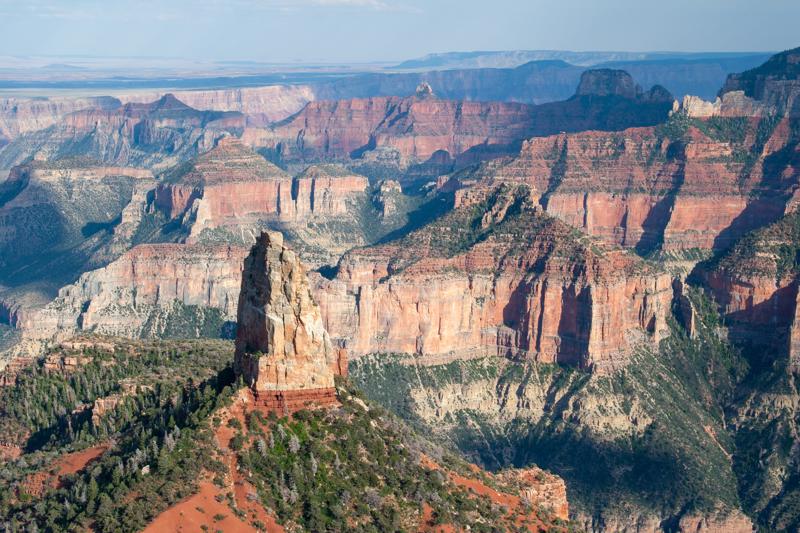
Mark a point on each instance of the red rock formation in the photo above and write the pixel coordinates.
(283, 352)
(756, 285)
(232, 185)
(639, 189)
(550, 299)
(422, 126)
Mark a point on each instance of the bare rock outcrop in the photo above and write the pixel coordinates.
(233, 188)
(422, 128)
(498, 277)
(261, 105)
(283, 352)
(155, 135)
(149, 290)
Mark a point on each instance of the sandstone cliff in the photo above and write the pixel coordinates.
(281, 343)
(423, 127)
(497, 276)
(689, 184)
(233, 186)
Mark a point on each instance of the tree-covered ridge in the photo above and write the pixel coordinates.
(359, 468)
(327, 470)
(772, 251)
(159, 435)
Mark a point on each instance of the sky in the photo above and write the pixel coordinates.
(333, 31)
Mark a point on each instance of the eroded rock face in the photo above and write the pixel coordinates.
(146, 292)
(233, 187)
(776, 82)
(756, 284)
(642, 190)
(154, 135)
(722, 522)
(520, 286)
(23, 115)
(281, 343)
(423, 127)
(608, 82)
(261, 105)
(536, 485)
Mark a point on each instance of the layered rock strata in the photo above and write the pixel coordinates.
(144, 291)
(261, 105)
(423, 127)
(756, 286)
(154, 135)
(644, 190)
(233, 186)
(283, 352)
(497, 276)
(22, 115)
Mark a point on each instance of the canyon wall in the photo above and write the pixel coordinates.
(423, 126)
(755, 285)
(55, 217)
(154, 135)
(135, 295)
(642, 189)
(261, 105)
(232, 189)
(23, 115)
(549, 300)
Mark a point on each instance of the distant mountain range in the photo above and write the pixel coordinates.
(514, 58)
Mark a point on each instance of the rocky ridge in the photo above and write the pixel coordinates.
(153, 135)
(497, 276)
(422, 127)
(648, 188)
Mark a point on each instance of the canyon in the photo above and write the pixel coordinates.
(422, 127)
(613, 276)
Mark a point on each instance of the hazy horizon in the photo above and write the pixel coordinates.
(364, 31)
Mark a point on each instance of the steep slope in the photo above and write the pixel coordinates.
(169, 434)
(153, 290)
(776, 82)
(643, 448)
(168, 264)
(261, 105)
(59, 218)
(283, 352)
(499, 276)
(154, 135)
(756, 286)
(694, 184)
(230, 192)
(22, 115)
(178, 445)
(423, 127)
